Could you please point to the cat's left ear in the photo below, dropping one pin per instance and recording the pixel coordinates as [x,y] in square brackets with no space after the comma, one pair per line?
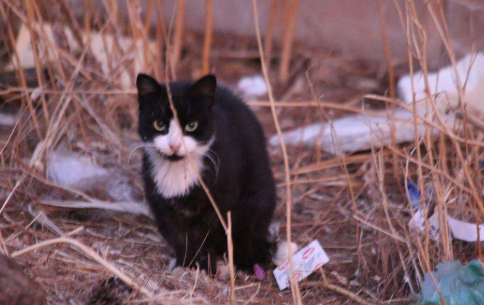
[205,88]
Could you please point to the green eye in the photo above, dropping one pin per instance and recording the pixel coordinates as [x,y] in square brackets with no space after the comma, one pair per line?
[159,125]
[191,126]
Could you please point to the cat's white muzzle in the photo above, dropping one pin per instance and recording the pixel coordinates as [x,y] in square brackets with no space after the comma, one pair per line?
[175,143]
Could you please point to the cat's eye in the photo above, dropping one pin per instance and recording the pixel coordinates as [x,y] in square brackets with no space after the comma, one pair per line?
[159,125]
[191,126]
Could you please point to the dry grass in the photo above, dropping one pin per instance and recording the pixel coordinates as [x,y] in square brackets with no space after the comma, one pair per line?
[355,205]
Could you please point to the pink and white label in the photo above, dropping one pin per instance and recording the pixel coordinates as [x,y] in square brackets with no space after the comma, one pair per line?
[306,261]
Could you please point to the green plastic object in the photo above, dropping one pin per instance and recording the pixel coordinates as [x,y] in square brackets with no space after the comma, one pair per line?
[459,285]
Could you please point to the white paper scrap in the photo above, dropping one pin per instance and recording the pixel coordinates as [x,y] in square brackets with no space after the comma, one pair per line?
[252,86]
[418,223]
[470,68]
[465,231]
[461,230]
[306,261]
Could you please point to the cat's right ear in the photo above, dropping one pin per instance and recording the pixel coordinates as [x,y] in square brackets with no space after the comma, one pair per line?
[146,85]
[204,88]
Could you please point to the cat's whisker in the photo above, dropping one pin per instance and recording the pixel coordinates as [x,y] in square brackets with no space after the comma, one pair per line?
[209,157]
[215,163]
[138,147]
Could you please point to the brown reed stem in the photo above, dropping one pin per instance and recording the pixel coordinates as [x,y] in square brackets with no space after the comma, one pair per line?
[338,289]
[20,71]
[178,34]
[288,40]
[269,36]
[40,77]
[294,284]
[391,80]
[207,43]
[230,246]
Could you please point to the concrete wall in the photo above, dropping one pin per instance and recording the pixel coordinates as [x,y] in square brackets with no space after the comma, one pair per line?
[351,27]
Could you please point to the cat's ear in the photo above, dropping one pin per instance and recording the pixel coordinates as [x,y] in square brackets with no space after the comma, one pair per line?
[147,84]
[205,88]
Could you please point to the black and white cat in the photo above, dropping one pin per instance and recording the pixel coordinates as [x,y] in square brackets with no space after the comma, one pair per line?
[228,149]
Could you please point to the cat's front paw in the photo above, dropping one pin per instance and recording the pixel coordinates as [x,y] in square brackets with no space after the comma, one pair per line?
[223,271]
[282,254]
[173,266]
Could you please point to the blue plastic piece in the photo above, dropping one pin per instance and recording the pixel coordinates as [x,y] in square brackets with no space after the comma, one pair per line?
[414,194]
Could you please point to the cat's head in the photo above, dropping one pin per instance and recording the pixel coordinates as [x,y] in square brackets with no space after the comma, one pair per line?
[193,103]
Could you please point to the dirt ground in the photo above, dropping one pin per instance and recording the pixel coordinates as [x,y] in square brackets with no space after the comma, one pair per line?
[334,200]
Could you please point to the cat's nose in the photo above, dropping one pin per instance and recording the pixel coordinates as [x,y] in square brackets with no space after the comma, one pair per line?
[175,148]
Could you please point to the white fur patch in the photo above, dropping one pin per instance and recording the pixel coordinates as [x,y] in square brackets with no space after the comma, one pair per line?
[176,178]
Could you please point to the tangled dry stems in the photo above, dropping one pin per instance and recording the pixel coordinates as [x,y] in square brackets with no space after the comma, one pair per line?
[356,205]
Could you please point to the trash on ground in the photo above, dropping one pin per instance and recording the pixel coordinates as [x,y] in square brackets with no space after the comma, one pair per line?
[418,220]
[465,231]
[458,284]
[8,120]
[443,83]
[252,86]
[363,132]
[282,253]
[461,230]
[103,48]
[306,261]
[76,171]
[136,208]
[418,223]
[356,133]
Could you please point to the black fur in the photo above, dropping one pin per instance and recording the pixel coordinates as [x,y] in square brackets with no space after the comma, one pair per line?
[243,183]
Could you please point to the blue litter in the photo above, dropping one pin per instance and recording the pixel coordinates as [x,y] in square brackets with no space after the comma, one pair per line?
[415,194]
[459,285]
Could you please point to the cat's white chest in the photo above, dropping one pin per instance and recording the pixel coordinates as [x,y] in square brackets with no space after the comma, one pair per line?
[174,179]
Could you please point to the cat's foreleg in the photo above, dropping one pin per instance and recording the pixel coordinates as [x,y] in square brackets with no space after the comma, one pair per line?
[177,237]
[251,232]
